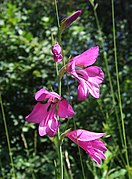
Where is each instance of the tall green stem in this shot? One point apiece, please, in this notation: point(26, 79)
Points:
point(118, 84)
point(58, 138)
point(7, 137)
point(2, 173)
point(107, 69)
point(58, 134)
point(57, 16)
point(60, 154)
point(123, 138)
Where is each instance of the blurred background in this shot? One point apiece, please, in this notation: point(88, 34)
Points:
point(26, 65)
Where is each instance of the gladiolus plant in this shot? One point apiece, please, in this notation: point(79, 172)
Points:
point(51, 107)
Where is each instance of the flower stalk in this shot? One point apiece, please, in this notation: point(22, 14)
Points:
point(8, 139)
point(59, 91)
point(118, 87)
point(51, 106)
point(60, 154)
point(58, 133)
point(107, 69)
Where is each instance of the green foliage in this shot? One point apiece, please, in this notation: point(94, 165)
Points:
point(26, 65)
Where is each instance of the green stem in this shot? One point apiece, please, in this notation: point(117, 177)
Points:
point(2, 173)
point(118, 86)
point(33, 176)
point(27, 152)
point(35, 142)
point(107, 69)
point(109, 77)
point(59, 86)
point(55, 169)
point(7, 137)
point(110, 81)
point(57, 16)
point(59, 91)
point(80, 154)
point(60, 144)
point(60, 154)
point(57, 70)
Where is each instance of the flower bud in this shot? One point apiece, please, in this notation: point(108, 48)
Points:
point(57, 51)
point(67, 21)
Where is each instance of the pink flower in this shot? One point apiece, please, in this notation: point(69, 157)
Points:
point(89, 78)
point(68, 20)
point(57, 51)
point(45, 112)
point(89, 141)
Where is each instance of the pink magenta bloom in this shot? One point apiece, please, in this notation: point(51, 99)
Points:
point(89, 78)
point(89, 141)
point(45, 112)
point(57, 51)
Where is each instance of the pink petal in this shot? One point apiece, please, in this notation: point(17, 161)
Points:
point(82, 74)
point(57, 50)
point(82, 91)
point(58, 58)
point(43, 94)
point(99, 154)
point(50, 115)
point(93, 156)
point(95, 74)
point(42, 128)
point(87, 58)
point(83, 135)
point(99, 145)
point(93, 89)
point(65, 110)
point(37, 114)
point(94, 153)
point(71, 68)
point(52, 127)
